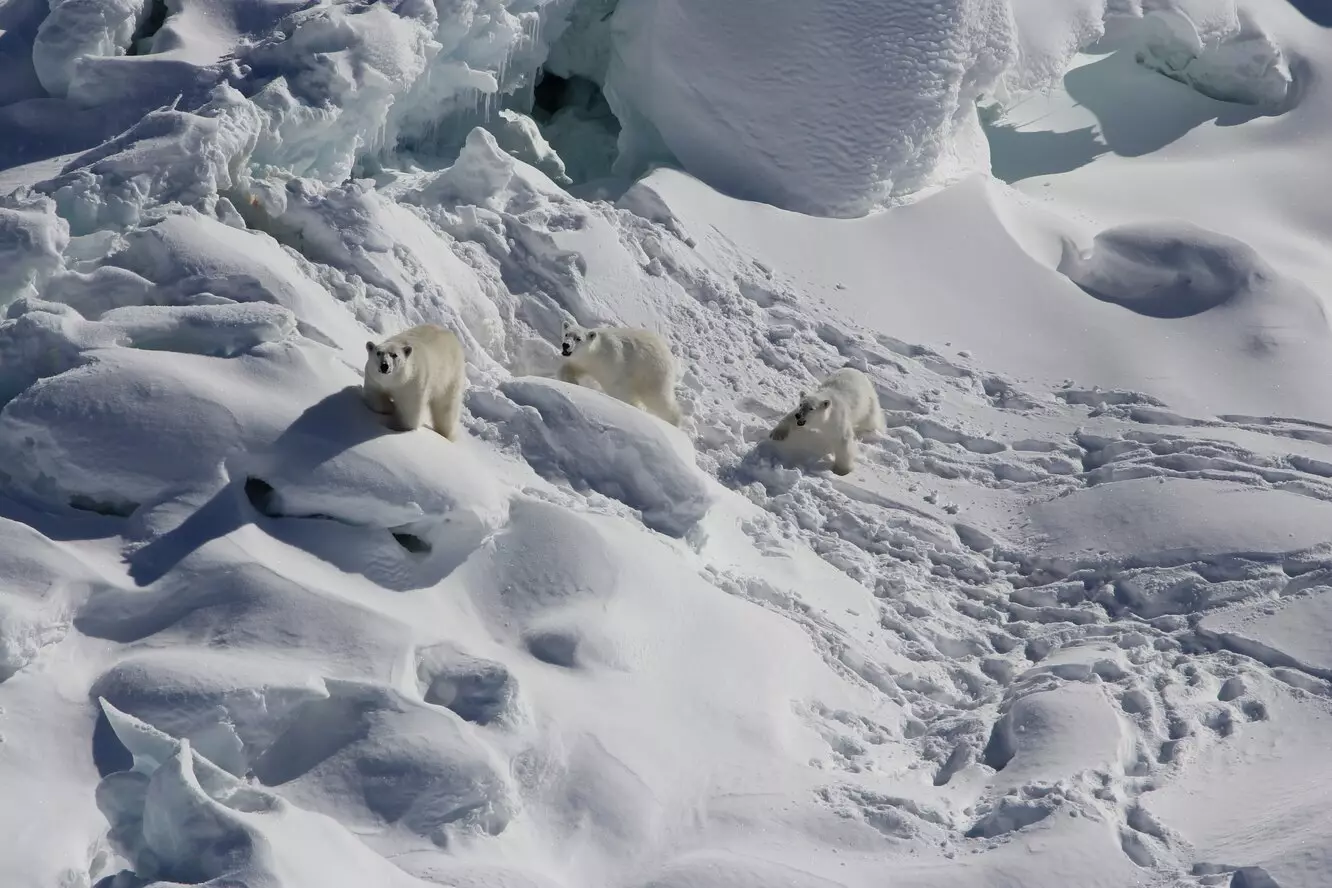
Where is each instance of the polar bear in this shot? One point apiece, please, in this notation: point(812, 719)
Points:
point(634, 365)
point(844, 406)
point(418, 370)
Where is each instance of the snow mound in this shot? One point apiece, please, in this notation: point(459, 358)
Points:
point(32, 239)
point(79, 29)
point(694, 81)
point(1235, 61)
point(594, 442)
point(1177, 271)
point(176, 816)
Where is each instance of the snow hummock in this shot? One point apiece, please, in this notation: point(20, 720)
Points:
point(699, 82)
point(1069, 622)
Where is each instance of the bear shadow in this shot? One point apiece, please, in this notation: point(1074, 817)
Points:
point(329, 427)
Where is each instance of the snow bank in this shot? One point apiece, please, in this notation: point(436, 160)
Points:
point(179, 817)
point(79, 29)
point(819, 133)
point(1217, 49)
point(32, 238)
point(594, 442)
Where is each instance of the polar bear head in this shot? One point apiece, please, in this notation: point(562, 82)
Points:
point(386, 359)
point(575, 338)
point(811, 407)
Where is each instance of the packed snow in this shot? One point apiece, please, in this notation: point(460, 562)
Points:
point(1068, 620)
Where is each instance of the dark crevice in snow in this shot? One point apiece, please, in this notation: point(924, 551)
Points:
point(115, 509)
point(142, 41)
point(109, 755)
point(1001, 748)
point(265, 500)
point(411, 542)
point(554, 647)
point(575, 118)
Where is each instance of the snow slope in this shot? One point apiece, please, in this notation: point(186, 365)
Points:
point(1067, 623)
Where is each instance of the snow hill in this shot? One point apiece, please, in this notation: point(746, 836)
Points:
point(1068, 623)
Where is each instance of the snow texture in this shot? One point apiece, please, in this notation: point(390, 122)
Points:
point(1068, 620)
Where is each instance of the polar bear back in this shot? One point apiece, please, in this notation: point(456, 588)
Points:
point(636, 358)
point(852, 391)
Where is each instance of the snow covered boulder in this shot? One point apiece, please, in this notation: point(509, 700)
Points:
point(825, 107)
point(595, 442)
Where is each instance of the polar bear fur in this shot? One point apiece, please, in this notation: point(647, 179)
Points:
point(843, 407)
point(418, 371)
point(634, 365)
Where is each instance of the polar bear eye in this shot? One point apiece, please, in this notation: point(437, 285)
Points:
point(827, 404)
point(592, 335)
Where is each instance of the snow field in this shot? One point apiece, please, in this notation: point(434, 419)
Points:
point(1065, 624)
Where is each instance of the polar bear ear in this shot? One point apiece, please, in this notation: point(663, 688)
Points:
point(827, 402)
point(406, 351)
point(568, 325)
point(369, 346)
point(591, 334)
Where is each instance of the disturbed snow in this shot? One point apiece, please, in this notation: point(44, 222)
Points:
point(1068, 623)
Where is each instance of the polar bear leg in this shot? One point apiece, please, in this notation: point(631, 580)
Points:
point(568, 373)
point(445, 411)
point(844, 454)
point(872, 423)
point(377, 400)
point(662, 404)
point(409, 410)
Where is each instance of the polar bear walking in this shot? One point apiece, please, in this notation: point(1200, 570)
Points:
point(418, 370)
point(844, 406)
point(634, 365)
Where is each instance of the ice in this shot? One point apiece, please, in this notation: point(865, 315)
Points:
point(1238, 63)
point(695, 81)
point(1066, 623)
point(79, 29)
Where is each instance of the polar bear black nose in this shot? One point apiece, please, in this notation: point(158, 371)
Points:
point(800, 421)
point(383, 366)
point(566, 350)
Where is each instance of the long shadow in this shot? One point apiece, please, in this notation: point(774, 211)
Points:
point(399, 558)
point(326, 429)
point(1140, 111)
point(1016, 155)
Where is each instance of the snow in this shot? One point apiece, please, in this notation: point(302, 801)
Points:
point(695, 81)
point(1068, 622)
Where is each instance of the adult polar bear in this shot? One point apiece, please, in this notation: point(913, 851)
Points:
point(634, 365)
point(418, 370)
point(844, 406)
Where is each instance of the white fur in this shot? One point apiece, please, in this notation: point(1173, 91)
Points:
point(633, 365)
point(427, 373)
point(843, 407)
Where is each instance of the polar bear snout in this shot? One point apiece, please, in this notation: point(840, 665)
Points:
point(566, 349)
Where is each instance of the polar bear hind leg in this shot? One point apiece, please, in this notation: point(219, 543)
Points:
point(873, 423)
point(844, 453)
point(446, 409)
point(661, 403)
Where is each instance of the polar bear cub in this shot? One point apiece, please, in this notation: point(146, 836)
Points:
point(418, 370)
point(844, 406)
point(634, 365)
